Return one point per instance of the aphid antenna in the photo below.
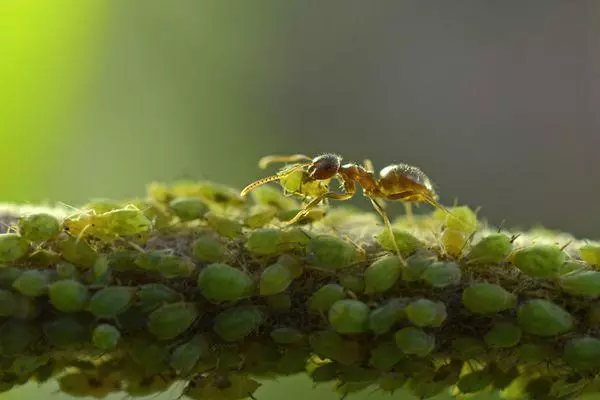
(77, 210)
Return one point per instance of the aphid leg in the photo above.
(315, 202)
(271, 178)
(265, 161)
(388, 226)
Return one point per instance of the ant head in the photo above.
(325, 166)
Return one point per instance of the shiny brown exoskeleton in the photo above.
(398, 182)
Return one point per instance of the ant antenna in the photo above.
(271, 178)
(266, 161)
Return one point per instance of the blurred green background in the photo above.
(497, 101)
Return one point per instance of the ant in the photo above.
(399, 182)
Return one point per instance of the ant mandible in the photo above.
(397, 182)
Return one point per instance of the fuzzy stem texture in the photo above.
(194, 284)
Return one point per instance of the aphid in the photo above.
(108, 226)
(401, 182)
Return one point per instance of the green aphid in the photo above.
(149, 355)
(100, 272)
(39, 227)
(541, 261)
(279, 302)
(265, 242)
(68, 295)
(462, 218)
(276, 278)
(285, 335)
(330, 344)
(153, 295)
(391, 381)
(488, 298)
(236, 323)
(538, 388)
(222, 282)
(581, 283)
(544, 318)
(271, 196)
(16, 336)
(26, 365)
(66, 330)
(474, 382)
(383, 318)
(325, 373)
(406, 242)
(353, 283)
(414, 341)
(77, 252)
(492, 249)
(295, 238)
(188, 208)
(32, 283)
(467, 348)
(441, 274)
(111, 301)
(293, 361)
(208, 248)
(109, 226)
(8, 275)
(534, 353)
(186, 356)
(325, 296)
(260, 217)
(331, 252)
(349, 316)
(122, 260)
(382, 274)
(503, 335)
(224, 226)
(583, 353)
(424, 312)
(105, 336)
(157, 213)
(26, 307)
(385, 355)
(12, 247)
(590, 253)
(171, 320)
(416, 264)
(43, 258)
(168, 265)
(501, 379)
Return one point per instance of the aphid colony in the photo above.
(199, 291)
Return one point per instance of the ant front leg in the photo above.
(388, 225)
(315, 202)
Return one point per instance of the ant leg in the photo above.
(388, 226)
(315, 202)
(265, 161)
(368, 165)
(409, 212)
(268, 179)
(421, 197)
